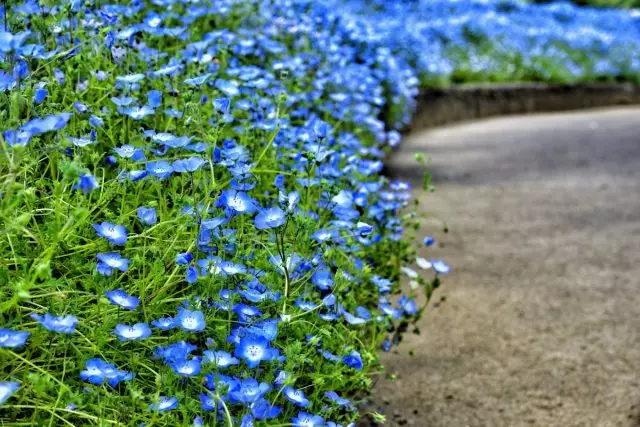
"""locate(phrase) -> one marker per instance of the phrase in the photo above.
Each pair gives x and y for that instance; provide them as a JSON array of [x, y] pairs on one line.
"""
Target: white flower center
[[120, 300], [236, 203], [186, 369], [165, 404], [189, 323], [132, 332], [255, 352]]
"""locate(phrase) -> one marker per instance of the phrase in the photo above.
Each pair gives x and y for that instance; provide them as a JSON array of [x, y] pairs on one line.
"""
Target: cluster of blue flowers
[[207, 232], [476, 40]]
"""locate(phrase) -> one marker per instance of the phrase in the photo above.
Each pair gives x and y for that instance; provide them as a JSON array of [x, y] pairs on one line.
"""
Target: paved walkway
[[542, 322]]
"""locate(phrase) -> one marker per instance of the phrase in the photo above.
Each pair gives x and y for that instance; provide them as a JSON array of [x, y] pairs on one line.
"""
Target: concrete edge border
[[441, 106]]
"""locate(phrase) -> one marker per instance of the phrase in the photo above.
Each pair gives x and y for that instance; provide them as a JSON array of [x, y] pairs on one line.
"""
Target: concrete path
[[542, 322]]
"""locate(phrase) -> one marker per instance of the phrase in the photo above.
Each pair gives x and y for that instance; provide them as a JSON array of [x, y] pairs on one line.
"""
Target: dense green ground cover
[[194, 229]]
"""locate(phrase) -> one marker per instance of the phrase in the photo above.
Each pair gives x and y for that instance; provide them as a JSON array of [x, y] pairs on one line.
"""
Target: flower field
[[194, 227], [478, 40]]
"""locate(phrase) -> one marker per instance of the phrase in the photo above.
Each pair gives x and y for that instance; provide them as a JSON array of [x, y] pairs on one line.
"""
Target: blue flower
[[305, 419], [164, 404], [135, 332], [110, 261], [86, 183], [174, 352], [128, 151], [393, 138], [147, 215], [208, 402], [191, 164], [167, 139], [222, 105], [96, 121], [363, 229], [80, 107], [296, 396], [325, 235], [212, 223], [123, 101], [278, 182], [353, 360], [192, 275], [19, 138], [192, 321], [154, 98], [187, 367], [246, 312], [7, 389], [130, 79], [428, 241], [289, 200], [60, 324], [236, 202], [281, 378], [10, 42], [115, 234], [59, 75], [12, 339], [40, 125], [7, 81], [161, 169], [220, 382], [329, 300], [168, 70], [165, 323], [40, 95], [267, 329], [122, 299], [136, 113], [81, 142], [229, 88], [270, 218], [440, 267], [305, 305], [247, 421], [97, 371], [255, 295], [332, 395], [220, 358], [262, 409], [197, 81], [253, 349], [248, 391], [408, 305], [322, 279], [184, 258]]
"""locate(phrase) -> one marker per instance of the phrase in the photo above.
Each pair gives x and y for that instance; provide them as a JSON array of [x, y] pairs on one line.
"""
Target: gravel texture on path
[[542, 322]]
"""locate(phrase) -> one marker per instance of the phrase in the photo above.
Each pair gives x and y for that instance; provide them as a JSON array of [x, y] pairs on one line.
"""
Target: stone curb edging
[[436, 107]]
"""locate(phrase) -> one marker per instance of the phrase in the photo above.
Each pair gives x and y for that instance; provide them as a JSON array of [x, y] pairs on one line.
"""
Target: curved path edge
[[441, 106]]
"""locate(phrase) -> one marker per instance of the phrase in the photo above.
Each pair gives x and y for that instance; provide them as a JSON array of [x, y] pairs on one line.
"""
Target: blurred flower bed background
[[194, 228], [504, 41]]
